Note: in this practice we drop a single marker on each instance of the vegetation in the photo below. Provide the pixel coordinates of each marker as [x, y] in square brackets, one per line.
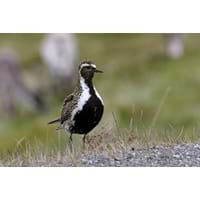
[147, 96]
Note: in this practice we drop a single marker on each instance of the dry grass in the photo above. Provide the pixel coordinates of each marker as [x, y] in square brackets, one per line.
[105, 142]
[108, 141]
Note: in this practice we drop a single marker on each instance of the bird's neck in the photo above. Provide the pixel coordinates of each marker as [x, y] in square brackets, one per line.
[86, 84]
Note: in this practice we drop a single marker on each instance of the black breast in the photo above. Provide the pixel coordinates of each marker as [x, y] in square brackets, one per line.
[86, 119]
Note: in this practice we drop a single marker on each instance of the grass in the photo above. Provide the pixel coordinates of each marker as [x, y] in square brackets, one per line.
[135, 87]
[106, 141]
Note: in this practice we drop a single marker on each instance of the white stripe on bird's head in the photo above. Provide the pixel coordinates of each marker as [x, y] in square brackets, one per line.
[86, 64]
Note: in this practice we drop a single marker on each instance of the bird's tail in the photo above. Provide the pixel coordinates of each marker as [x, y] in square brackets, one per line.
[54, 121]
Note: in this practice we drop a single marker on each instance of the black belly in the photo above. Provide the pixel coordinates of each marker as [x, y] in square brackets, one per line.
[86, 119]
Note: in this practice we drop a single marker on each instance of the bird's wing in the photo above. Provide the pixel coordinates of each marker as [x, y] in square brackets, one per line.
[66, 111]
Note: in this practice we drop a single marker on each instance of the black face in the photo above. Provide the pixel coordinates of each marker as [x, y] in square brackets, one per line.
[87, 70]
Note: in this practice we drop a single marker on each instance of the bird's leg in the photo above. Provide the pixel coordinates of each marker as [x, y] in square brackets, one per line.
[70, 142]
[84, 140]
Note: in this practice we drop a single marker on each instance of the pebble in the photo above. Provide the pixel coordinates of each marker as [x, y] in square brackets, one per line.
[187, 155]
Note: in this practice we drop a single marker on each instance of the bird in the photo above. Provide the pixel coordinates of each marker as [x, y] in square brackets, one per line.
[83, 109]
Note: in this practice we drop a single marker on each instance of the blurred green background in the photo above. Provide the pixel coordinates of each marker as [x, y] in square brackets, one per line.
[137, 76]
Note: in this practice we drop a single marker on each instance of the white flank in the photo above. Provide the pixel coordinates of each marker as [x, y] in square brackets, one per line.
[85, 95]
[98, 95]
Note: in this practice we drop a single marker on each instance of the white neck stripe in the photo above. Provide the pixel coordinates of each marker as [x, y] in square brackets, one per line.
[85, 95]
[98, 95]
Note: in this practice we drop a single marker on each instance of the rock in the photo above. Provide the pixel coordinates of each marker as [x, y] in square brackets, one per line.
[60, 54]
[15, 95]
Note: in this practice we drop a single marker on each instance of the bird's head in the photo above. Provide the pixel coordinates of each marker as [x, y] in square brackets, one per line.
[87, 69]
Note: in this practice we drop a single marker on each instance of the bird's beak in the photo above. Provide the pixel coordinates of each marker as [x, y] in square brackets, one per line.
[98, 71]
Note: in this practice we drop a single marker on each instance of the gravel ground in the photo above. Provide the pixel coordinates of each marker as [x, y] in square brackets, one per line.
[186, 155]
